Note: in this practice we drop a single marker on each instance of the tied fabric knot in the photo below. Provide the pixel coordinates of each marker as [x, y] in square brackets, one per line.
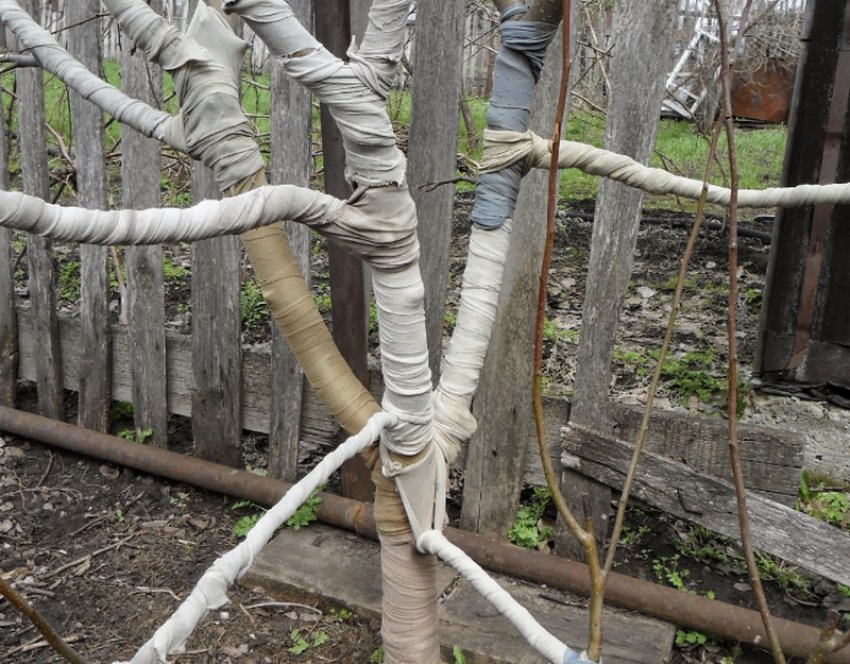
[504, 148]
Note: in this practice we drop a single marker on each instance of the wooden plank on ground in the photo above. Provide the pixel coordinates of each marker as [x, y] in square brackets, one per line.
[677, 489]
[140, 175]
[485, 636]
[297, 564]
[8, 311]
[771, 459]
[84, 43]
[432, 150]
[34, 177]
[216, 338]
[290, 121]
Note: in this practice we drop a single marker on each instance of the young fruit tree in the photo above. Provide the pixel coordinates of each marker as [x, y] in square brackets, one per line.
[420, 430]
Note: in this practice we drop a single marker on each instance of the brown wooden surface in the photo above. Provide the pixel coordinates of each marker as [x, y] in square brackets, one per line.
[638, 66]
[216, 338]
[679, 490]
[140, 174]
[84, 43]
[295, 565]
[291, 161]
[432, 151]
[805, 327]
[497, 451]
[8, 312]
[34, 178]
[349, 301]
[771, 459]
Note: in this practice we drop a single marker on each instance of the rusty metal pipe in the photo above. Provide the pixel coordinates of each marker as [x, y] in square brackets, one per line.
[684, 609]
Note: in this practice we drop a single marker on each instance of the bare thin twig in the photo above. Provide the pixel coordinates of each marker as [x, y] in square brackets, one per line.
[583, 534]
[53, 638]
[740, 491]
[662, 356]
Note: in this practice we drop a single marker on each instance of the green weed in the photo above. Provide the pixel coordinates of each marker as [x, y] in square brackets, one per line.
[301, 643]
[172, 271]
[690, 637]
[825, 505]
[252, 305]
[69, 281]
[377, 656]
[526, 530]
[130, 434]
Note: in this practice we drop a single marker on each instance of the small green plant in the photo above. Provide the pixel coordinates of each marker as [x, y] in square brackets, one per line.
[690, 637]
[172, 271]
[307, 513]
[69, 281]
[703, 545]
[323, 303]
[342, 615]
[130, 434]
[119, 515]
[301, 644]
[458, 656]
[786, 576]
[844, 590]
[526, 530]
[825, 505]
[252, 306]
[244, 524]
[630, 536]
[666, 569]
[377, 656]
[121, 410]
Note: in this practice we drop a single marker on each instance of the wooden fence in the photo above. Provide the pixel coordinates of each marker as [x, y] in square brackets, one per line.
[209, 376]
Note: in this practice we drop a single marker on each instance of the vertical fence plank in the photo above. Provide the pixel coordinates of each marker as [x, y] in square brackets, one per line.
[84, 41]
[433, 151]
[140, 172]
[348, 289]
[494, 465]
[290, 125]
[216, 339]
[34, 175]
[8, 314]
[638, 69]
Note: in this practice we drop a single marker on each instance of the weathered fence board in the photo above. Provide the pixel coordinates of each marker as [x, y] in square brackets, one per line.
[290, 123]
[643, 39]
[678, 489]
[497, 451]
[432, 148]
[216, 338]
[34, 178]
[140, 173]
[8, 312]
[84, 43]
[771, 459]
[805, 326]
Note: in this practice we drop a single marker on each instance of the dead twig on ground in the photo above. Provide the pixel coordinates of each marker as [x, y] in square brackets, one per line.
[87, 557]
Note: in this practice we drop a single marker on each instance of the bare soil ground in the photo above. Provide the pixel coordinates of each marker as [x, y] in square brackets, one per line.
[106, 553]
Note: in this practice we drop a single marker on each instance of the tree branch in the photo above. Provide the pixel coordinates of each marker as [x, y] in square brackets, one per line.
[53, 638]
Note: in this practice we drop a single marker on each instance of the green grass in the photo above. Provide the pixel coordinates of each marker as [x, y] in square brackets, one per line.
[679, 147]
